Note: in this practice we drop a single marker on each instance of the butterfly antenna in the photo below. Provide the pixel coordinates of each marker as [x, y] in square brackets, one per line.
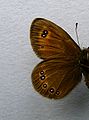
[76, 28]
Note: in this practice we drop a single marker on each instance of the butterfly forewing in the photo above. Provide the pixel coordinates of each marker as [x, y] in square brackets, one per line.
[48, 39]
[59, 72]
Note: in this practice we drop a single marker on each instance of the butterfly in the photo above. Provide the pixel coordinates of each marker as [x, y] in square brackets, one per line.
[63, 61]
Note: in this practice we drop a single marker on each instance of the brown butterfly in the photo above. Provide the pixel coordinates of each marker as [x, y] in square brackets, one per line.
[63, 60]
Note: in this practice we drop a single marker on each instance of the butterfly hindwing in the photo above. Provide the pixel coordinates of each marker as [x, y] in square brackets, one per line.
[55, 78]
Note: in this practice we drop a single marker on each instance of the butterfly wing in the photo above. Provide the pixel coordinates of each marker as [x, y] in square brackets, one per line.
[48, 40]
[55, 78]
[59, 73]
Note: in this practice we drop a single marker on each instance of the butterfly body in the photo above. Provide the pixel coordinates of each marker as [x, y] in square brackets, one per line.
[63, 60]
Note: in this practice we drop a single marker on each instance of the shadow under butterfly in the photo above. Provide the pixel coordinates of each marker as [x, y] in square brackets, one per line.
[63, 60]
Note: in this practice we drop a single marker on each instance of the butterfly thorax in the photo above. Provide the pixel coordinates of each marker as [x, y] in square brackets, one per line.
[84, 60]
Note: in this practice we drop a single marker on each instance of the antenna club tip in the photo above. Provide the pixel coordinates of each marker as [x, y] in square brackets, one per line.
[76, 24]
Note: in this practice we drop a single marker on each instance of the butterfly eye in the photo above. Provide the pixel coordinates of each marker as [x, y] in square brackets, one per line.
[51, 90]
[44, 34]
[42, 77]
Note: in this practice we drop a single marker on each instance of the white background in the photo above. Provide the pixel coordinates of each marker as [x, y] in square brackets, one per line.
[18, 99]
